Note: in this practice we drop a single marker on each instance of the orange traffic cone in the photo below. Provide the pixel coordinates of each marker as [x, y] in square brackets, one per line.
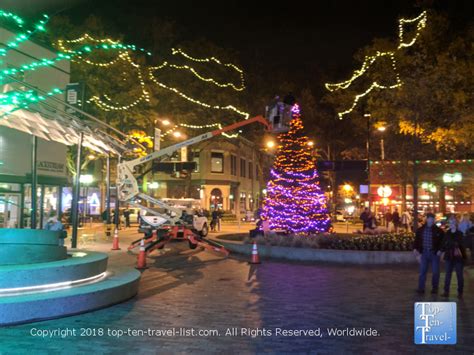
[255, 257]
[141, 261]
[115, 245]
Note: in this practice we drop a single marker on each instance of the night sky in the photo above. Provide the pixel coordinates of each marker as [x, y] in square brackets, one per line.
[298, 37]
[288, 35]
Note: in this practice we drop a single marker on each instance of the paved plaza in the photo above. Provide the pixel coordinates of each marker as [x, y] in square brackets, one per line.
[217, 305]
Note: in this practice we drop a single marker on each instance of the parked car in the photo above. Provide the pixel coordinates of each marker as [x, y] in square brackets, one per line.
[340, 217]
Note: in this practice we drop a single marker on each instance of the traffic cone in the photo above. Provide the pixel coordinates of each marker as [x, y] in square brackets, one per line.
[141, 260]
[115, 245]
[255, 257]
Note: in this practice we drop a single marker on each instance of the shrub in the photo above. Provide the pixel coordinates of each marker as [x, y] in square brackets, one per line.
[382, 242]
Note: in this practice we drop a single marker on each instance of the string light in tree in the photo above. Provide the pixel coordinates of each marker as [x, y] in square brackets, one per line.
[215, 60]
[294, 201]
[115, 106]
[152, 77]
[21, 98]
[144, 97]
[87, 45]
[212, 125]
[420, 24]
[370, 60]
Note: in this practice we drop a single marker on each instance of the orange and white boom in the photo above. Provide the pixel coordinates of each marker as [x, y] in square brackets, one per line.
[127, 185]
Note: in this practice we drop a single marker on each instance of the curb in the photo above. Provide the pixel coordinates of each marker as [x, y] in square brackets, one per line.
[358, 257]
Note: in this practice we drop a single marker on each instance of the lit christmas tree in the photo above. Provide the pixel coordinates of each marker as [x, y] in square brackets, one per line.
[295, 202]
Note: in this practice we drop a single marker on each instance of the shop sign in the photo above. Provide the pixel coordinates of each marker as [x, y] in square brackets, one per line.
[51, 166]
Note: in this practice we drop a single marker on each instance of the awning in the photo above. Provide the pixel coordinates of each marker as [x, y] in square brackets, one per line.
[63, 128]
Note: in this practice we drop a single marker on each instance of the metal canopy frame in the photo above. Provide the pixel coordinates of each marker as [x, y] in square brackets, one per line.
[48, 119]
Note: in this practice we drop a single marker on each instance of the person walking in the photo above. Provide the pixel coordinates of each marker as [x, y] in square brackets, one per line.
[428, 242]
[365, 217]
[454, 255]
[466, 228]
[214, 219]
[465, 225]
[126, 215]
[396, 220]
[406, 220]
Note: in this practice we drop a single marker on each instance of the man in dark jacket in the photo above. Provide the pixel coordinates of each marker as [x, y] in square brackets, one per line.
[365, 217]
[428, 242]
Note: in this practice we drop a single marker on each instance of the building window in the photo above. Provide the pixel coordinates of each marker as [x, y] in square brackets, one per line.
[194, 157]
[217, 162]
[242, 167]
[256, 171]
[250, 170]
[233, 165]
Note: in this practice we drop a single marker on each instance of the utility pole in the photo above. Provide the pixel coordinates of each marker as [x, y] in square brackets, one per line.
[415, 176]
[34, 181]
[76, 192]
[368, 160]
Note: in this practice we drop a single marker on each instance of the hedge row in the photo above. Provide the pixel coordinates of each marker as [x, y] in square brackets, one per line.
[390, 242]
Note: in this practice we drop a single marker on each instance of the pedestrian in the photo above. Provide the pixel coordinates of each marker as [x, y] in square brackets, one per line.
[454, 255]
[370, 224]
[406, 220]
[388, 219]
[126, 215]
[214, 219]
[103, 216]
[396, 220]
[465, 225]
[253, 233]
[138, 217]
[428, 242]
[54, 224]
[365, 217]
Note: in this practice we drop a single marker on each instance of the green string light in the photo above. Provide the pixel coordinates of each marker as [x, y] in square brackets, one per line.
[23, 99]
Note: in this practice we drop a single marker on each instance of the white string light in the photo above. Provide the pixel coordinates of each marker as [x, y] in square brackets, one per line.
[370, 60]
[145, 96]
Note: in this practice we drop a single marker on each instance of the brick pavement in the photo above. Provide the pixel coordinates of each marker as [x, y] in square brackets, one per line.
[200, 290]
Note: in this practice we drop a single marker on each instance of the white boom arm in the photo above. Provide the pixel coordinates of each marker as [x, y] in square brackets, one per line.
[127, 186]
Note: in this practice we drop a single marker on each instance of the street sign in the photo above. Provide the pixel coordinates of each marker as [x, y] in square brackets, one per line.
[74, 97]
[156, 140]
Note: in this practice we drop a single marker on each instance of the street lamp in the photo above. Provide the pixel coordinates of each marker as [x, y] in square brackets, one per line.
[347, 188]
[177, 134]
[86, 179]
[153, 185]
[381, 129]
[166, 122]
[270, 144]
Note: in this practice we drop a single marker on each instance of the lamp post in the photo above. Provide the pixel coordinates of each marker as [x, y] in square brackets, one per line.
[368, 159]
[382, 147]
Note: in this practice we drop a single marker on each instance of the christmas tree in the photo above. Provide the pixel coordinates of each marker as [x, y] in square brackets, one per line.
[295, 202]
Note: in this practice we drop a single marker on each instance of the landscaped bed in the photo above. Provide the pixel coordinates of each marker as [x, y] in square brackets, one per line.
[339, 241]
[334, 248]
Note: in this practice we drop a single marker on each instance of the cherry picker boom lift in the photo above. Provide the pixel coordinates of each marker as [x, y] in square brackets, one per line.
[170, 225]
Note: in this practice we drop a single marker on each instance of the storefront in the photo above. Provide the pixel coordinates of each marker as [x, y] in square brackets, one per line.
[15, 179]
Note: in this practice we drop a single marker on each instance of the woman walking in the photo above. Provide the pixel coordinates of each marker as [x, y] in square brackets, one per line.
[454, 255]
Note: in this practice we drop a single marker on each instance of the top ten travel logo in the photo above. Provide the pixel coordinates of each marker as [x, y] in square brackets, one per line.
[435, 323]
